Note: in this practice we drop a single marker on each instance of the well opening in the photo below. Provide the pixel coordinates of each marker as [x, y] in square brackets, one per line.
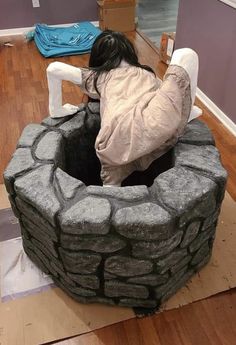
[82, 162]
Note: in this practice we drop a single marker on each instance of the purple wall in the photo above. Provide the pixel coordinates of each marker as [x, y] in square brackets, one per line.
[209, 27]
[20, 13]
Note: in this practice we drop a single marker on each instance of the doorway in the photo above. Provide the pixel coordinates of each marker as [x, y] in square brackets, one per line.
[156, 17]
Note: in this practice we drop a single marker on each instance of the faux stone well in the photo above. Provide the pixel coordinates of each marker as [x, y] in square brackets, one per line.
[132, 246]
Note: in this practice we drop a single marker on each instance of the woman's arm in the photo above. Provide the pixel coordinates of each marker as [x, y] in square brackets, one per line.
[56, 72]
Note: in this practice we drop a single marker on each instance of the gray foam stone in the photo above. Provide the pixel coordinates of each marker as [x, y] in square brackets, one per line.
[131, 193]
[149, 279]
[197, 133]
[99, 244]
[88, 216]
[21, 162]
[86, 281]
[156, 249]
[205, 159]
[165, 263]
[30, 134]
[68, 185]
[127, 267]
[143, 222]
[82, 263]
[36, 188]
[50, 147]
[191, 232]
[74, 125]
[94, 107]
[114, 288]
[175, 189]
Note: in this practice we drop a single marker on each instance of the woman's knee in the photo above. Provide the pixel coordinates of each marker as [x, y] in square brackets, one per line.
[55, 67]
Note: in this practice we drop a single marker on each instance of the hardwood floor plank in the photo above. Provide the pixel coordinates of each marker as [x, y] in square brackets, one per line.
[207, 322]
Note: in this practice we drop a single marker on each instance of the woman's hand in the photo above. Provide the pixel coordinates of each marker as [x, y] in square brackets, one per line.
[65, 110]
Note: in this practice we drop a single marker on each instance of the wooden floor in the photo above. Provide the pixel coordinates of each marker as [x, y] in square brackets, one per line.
[24, 99]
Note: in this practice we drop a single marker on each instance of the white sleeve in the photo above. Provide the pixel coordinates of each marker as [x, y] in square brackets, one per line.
[56, 72]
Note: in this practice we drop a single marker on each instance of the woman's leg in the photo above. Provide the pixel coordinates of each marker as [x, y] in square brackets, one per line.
[188, 59]
[156, 127]
[56, 72]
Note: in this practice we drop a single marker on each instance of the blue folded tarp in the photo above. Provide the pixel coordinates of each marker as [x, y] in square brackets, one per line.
[62, 41]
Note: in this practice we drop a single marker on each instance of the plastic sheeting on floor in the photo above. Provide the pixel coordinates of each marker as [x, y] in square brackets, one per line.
[62, 41]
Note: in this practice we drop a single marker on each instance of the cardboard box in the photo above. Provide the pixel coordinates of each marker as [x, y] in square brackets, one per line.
[167, 46]
[117, 15]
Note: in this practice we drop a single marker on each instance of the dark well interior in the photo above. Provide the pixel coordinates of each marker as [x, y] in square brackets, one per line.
[82, 163]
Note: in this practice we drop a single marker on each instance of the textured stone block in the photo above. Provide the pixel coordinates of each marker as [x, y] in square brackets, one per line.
[68, 185]
[20, 163]
[86, 281]
[156, 249]
[45, 260]
[78, 290]
[34, 217]
[181, 264]
[149, 279]
[191, 232]
[114, 288]
[99, 244]
[132, 193]
[36, 188]
[201, 254]
[82, 263]
[36, 259]
[197, 133]
[211, 220]
[24, 233]
[165, 263]
[73, 125]
[178, 285]
[203, 208]
[203, 262]
[109, 276]
[49, 121]
[127, 267]
[176, 187]
[30, 133]
[50, 147]
[49, 251]
[13, 206]
[144, 222]
[172, 283]
[201, 238]
[206, 160]
[94, 107]
[40, 235]
[88, 216]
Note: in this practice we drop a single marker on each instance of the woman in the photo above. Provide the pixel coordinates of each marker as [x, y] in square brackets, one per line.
[141, 117]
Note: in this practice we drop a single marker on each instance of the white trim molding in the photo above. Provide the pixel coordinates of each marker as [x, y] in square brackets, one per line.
[231, 3]
[24, 31]
[226, 121]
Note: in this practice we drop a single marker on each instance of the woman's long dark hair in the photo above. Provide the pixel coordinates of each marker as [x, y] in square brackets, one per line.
[108, 50]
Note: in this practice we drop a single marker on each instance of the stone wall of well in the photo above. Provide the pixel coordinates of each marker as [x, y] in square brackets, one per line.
[131, 246]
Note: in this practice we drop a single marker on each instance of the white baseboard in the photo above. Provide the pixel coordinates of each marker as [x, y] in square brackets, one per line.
[226, 121]
[23, 31]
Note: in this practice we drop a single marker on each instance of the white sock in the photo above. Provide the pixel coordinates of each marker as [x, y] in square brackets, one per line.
[195, 112]
[111, 185]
